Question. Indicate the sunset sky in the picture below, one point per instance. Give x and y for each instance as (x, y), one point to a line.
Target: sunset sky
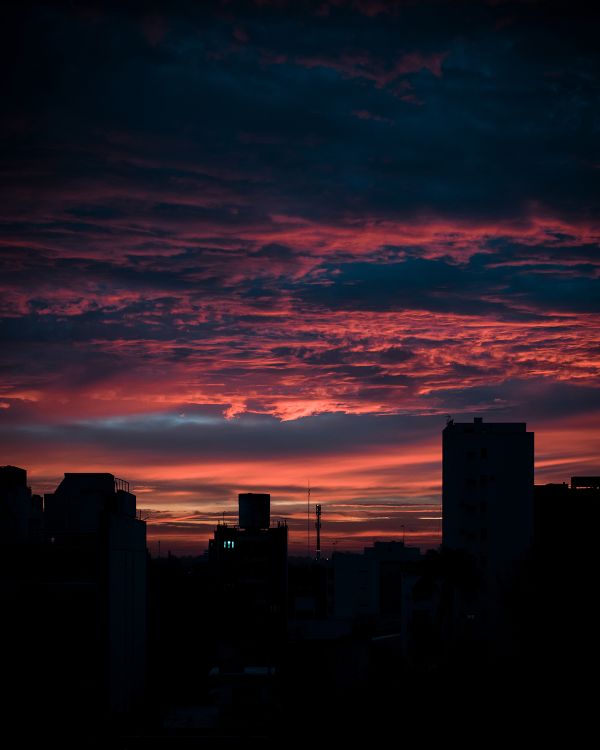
(249, 245)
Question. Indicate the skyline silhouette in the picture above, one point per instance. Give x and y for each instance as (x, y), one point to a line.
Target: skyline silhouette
(382, 492)
(265, 623)
(405, 513)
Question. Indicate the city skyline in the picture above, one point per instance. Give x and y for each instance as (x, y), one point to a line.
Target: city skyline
(236, 256)
(347, 525)
(94, 618)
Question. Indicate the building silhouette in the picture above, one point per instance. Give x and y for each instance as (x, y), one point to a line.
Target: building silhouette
(93, 528)
(371, 585)
(564, 617)
(553, 502)
(248, 604)
(248, 567)
(77, 589)
(487, 503)
(20, 510)
(359, 634)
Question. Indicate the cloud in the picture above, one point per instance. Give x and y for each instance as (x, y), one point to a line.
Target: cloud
(229, 245)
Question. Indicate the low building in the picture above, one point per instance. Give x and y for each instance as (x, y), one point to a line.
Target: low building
(248, 570)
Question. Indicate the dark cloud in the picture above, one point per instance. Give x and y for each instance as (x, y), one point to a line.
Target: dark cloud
(481, 287)
(200, 432)
(249, 437)
(505, 117)
(538, 402)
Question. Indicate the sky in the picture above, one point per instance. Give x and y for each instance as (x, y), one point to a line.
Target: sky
(245, 246)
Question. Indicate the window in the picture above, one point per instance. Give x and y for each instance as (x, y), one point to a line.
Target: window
(228, 544)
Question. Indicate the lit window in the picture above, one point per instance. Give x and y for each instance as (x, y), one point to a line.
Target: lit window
(228, 544)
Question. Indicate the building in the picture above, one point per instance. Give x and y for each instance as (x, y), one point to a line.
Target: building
(248, 568)
(20, 510)
(370, 585)
(73, 578)
(567, 517)
(96, 539)
(392, 593)
(487, 501)
(557, 506)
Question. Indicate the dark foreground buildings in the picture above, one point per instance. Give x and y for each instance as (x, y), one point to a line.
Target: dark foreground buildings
(553, 504)
(567, 518)
(73, 579)
(503, 612)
